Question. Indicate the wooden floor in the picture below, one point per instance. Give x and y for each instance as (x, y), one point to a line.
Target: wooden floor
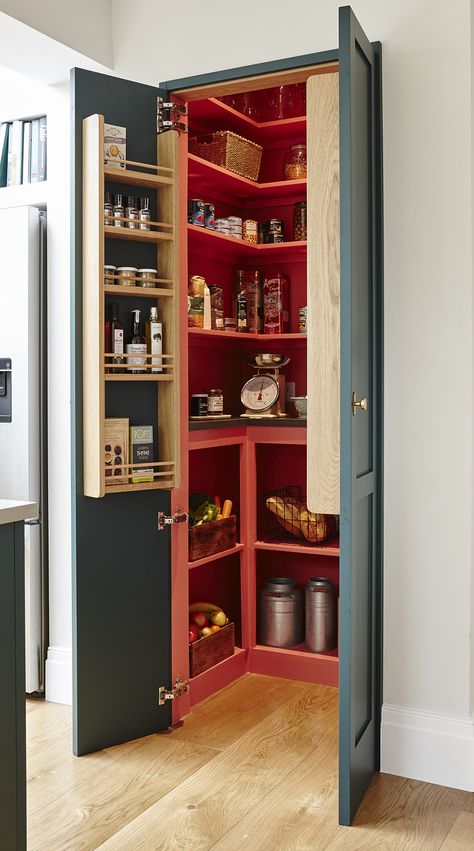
(253, 768)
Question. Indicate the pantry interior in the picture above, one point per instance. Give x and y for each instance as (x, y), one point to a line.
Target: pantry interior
(240, 459)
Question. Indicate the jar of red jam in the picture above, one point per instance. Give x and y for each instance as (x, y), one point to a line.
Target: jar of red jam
(276, 304)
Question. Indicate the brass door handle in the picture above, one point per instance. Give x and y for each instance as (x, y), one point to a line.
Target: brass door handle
(361, 404)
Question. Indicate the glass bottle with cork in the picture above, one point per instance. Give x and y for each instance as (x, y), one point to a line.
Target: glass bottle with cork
(114, 339)
(136, 348)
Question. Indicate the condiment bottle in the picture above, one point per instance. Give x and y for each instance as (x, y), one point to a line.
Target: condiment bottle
(154, 339)
(242, 323)
(136, 348)
(118, 211)
(108, 209)
(114, 338)
(215, 402)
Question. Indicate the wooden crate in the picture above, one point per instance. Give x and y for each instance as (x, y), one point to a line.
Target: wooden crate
(212, 538)
(208, 651)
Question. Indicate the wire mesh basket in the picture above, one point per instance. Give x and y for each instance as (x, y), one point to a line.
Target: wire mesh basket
(229, 151)
(287, 516)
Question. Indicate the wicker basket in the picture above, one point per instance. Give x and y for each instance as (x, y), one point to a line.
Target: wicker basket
(230, 151)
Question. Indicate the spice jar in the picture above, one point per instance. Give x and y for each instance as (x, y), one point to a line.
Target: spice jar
(146, 277)
(144, 214)
(274, 231)
(295, 163)
(215, 402)
(131, 212)
(109, 272)
(217, 308)
(299, 221)
(118, 211)
(276, 301)
(126, 276)
(250, 231)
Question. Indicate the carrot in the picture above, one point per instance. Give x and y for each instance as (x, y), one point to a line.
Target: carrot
(227, 508)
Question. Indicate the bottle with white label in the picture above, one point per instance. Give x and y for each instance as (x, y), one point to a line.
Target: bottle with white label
(154, 339)
(136, 348)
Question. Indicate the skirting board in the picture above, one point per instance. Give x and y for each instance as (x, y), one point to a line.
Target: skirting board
(424, 746)
(58, 675)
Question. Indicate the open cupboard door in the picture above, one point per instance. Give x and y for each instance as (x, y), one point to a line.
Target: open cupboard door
(121, 562)
(361, 413)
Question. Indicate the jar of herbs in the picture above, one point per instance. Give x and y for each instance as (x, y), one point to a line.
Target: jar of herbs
(146, 278)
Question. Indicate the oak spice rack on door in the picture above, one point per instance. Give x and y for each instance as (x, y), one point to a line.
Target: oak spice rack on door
(164, 233)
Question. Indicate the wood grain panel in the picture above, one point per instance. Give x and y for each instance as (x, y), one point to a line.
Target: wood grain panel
(461, 835)
(93, 305)
(323, 293)
(254, 83)
(210, 803)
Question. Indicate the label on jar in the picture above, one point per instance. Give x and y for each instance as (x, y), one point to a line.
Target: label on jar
(215, 404)
(134, 349)
(132, 213)
(145, 217)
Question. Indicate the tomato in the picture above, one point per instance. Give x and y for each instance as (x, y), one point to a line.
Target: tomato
(193, 633)
(200, 619)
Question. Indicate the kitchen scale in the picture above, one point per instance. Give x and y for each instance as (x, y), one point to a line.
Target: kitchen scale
(263, 395)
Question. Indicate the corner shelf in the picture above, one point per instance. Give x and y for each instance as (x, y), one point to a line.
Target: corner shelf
(231, 249)
(331, 548)
(206, 335)
(213, 114)
(95, 379)
(216, 556)
(203, 176)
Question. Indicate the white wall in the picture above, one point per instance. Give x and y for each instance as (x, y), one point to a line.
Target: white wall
(83, 26)
(20, 97)
(428, 281)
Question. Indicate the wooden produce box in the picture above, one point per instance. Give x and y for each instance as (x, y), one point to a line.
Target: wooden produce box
(212, 537)
(208, 651)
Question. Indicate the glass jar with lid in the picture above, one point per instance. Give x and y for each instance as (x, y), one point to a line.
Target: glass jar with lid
(295, 163)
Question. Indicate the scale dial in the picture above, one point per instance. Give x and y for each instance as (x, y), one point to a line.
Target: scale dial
(260, 393)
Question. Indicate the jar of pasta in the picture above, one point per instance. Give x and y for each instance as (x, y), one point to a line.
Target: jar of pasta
(295, 163)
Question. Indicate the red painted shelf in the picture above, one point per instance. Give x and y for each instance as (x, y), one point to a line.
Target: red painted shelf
(201, 335)
(213, 114)
(203, 240)
(218, 676)
(200, 561)
(331, 548)
(204, 176)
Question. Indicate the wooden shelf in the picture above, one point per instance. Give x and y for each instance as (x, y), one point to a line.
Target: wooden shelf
(141, 292)
(213, 114)
(136, 235)
(218, 676)
(222, 337)
(331, 548)
(138, 377)
(223, 554)
(166, 484)
(295, 663)
(205, 240)
(203, 176)
(136, 178)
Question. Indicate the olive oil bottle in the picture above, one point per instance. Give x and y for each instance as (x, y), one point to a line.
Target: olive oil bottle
(154, 339)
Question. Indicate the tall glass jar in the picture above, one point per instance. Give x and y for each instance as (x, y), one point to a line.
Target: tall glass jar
(276, 304)
(295, 163)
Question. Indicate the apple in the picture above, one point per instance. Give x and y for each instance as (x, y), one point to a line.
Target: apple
(193, 633)
(206, 631)
(215, 628)
(200, 619)
(219, 618)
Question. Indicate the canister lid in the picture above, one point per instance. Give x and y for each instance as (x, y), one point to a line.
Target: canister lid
(319, 581)
(152, 271)
(127, 269)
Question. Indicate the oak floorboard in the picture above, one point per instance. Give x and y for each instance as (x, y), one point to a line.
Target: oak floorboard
(401, 815)
(214, 722)
(300, 815)
(461, 835)
(210, 802)
(104, 791)
(469, 804)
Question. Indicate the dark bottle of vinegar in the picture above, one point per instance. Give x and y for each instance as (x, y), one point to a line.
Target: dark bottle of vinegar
(114, 343)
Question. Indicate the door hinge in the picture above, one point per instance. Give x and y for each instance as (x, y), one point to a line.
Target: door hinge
(168, 114)
(165, 520)
(180, 687)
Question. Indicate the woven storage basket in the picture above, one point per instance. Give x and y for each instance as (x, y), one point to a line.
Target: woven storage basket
(230, 151)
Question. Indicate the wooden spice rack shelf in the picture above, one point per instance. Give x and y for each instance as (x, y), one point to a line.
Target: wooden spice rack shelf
(163, 179)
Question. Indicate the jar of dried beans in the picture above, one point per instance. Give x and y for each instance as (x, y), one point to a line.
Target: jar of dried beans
(299, 221)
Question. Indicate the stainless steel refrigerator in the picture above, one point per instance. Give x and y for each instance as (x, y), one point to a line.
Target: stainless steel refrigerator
(23, 409)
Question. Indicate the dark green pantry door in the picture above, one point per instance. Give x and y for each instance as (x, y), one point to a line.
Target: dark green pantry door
(361, 413)
(121, 579)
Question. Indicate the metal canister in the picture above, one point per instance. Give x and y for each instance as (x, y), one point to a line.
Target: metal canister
(280, 613)
(209, 216)
(196, 212)
(320, 611)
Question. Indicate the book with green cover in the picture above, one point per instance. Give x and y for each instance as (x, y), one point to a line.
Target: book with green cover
(4, 132)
